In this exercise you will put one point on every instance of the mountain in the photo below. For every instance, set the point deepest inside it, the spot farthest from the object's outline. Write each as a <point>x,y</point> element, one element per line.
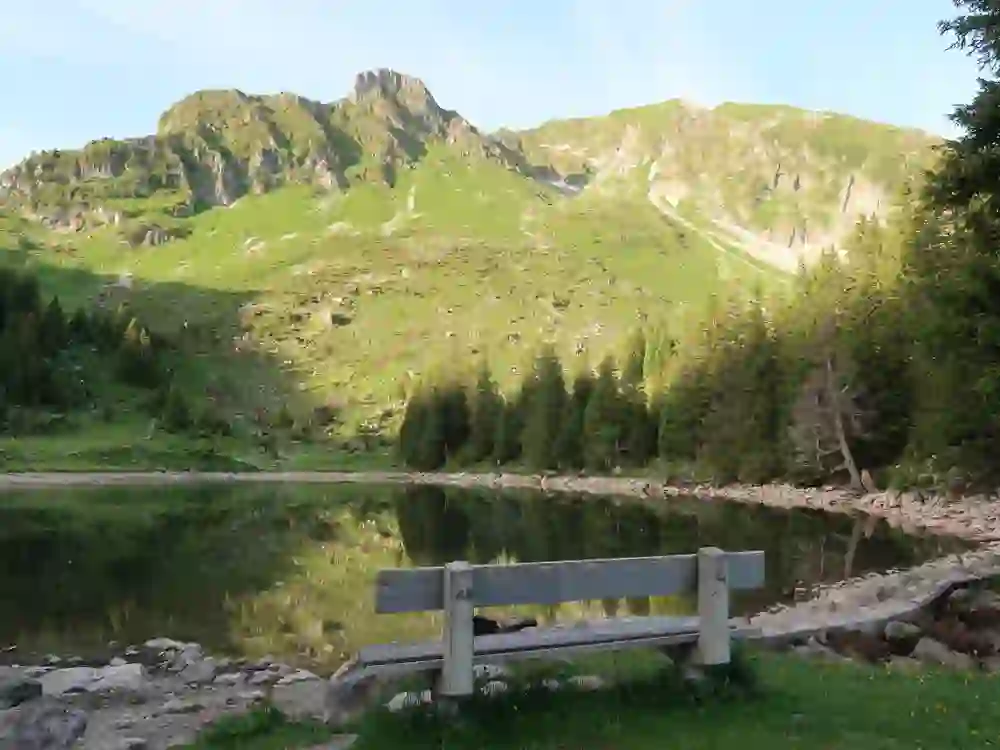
<point>320,255</point>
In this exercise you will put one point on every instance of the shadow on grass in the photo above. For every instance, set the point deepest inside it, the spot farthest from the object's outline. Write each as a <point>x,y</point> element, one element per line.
<point>531,713</point>
<point>213,365</point>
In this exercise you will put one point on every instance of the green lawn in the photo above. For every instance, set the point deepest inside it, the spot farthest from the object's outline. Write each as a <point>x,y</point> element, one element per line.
<point>792,703</point>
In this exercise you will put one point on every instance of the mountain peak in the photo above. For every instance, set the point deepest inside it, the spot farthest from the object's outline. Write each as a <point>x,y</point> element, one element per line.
<point>385,83</point>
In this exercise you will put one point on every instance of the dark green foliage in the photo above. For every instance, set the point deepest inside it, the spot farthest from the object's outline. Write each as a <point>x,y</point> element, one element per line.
<point>604,420</point>
<point>545,406</point>
<point>436,426</point>
<point>569,445</point>
<point>47,357</point>
<point>486,413</point>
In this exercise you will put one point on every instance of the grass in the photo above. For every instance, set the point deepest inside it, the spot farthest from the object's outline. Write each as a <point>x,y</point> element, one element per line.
<point>306,298</point>
<point>787,702</point>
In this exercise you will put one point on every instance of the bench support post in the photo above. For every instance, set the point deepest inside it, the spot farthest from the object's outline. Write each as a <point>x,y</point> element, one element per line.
<point>713,606</point>
<point>459,643</point>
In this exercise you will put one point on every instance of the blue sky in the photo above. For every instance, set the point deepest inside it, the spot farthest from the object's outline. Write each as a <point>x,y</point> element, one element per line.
<point>74,70</point>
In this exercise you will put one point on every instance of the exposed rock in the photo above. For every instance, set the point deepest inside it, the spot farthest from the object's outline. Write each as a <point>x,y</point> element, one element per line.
<point>41,725</point>
<point>494,688</point>
<point>898,630</point>
<point>199,672</point>
<point>72,679</point>
<point>931,651</point>
<point>301,700</point>
<point>127,677</point>
<point>17,688</point>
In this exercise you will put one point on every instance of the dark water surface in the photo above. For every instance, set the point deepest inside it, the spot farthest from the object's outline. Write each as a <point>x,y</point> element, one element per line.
<point>288,571</point>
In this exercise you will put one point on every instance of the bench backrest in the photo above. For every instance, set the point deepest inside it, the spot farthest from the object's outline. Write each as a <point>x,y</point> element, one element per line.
<point>422,589</point>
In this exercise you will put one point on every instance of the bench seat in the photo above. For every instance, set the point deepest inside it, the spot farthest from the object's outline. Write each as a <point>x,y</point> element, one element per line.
<point>539,643</point>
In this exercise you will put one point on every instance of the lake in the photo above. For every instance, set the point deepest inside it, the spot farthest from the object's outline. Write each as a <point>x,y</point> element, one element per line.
<point>288,570</point>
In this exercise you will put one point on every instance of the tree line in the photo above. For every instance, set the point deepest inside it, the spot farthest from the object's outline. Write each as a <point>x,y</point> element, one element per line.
<point>881,361</point>
<point>54,362</point>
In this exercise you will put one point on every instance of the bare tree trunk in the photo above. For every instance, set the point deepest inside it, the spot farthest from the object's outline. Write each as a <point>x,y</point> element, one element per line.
<point>838,424</point>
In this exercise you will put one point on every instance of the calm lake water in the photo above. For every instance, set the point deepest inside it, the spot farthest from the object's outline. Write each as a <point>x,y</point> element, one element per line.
<point>289,571</point>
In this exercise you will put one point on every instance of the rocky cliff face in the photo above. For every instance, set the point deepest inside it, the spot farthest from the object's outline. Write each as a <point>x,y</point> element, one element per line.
<point>213,147</point>
<point>778,181</point>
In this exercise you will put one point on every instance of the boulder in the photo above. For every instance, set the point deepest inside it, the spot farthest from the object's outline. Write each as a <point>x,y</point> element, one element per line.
<point>69,680</point>
<point>930,651</point>
<point>126,677</point>
<point>17,688</point>
<point>42,725</point>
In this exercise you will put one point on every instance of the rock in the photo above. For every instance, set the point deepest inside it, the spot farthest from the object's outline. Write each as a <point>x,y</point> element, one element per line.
<point>898,630</point>
<point>130,677</point>
<point>199,672</point>
<point>930,651</point>
<point>117,662</point>
<point>586,682</point>
<point>42,725</point>
<point>192,653</point>
<point>17,688</point>
<point>163,644</point>
<point>73,679</point>
<point>180,706</point>
<point>410,699</point>
<point>300,700</point>
<point>495,687</point>
<point>489,672</point>
<point>129,743</point>
<point>230,678</point>
<point>991,664</point>
<point>551,684</point>
<point>264,678</point>
<point>299,675</point>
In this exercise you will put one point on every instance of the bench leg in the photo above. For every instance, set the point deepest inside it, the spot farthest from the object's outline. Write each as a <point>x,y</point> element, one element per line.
<point>713,606</point>
<point>459,641</point>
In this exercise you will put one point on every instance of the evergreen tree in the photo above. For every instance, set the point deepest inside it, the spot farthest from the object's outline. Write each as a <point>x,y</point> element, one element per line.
<point>507,443</point>
<point>486,413</point>
<point>569,445</point>
<point>544,407</point>
<point>602,420</point>
<point>53,332</point>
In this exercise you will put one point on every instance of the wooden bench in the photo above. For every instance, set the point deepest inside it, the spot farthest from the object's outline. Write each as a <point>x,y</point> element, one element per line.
<point>458,587</point>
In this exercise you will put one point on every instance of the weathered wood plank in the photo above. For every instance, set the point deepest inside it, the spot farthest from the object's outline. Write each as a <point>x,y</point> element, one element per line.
<point>422,589</point>
<point>424,656</point>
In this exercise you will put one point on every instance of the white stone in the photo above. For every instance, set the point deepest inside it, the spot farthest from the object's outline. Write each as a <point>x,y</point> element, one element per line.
<point>60,681</point>
<point>495,687</point>
<point>489,672</point>
<point>125,677</point>
<point>163,644</point>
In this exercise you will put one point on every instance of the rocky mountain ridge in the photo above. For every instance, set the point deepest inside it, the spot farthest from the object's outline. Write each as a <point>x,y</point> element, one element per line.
<point>778,182</point>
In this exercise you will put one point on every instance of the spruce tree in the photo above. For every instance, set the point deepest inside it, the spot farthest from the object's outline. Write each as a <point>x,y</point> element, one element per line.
<point>486,412</point>
<point>544,410</point>
<point>569,445</point>
<point>602,421</point>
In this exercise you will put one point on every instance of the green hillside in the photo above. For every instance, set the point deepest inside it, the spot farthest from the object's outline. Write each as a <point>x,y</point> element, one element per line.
<point>310,260</point>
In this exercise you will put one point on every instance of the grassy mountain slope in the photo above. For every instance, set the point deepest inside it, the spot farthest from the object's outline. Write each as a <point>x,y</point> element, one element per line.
<point>320,255</point>
<point>779,182</point>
